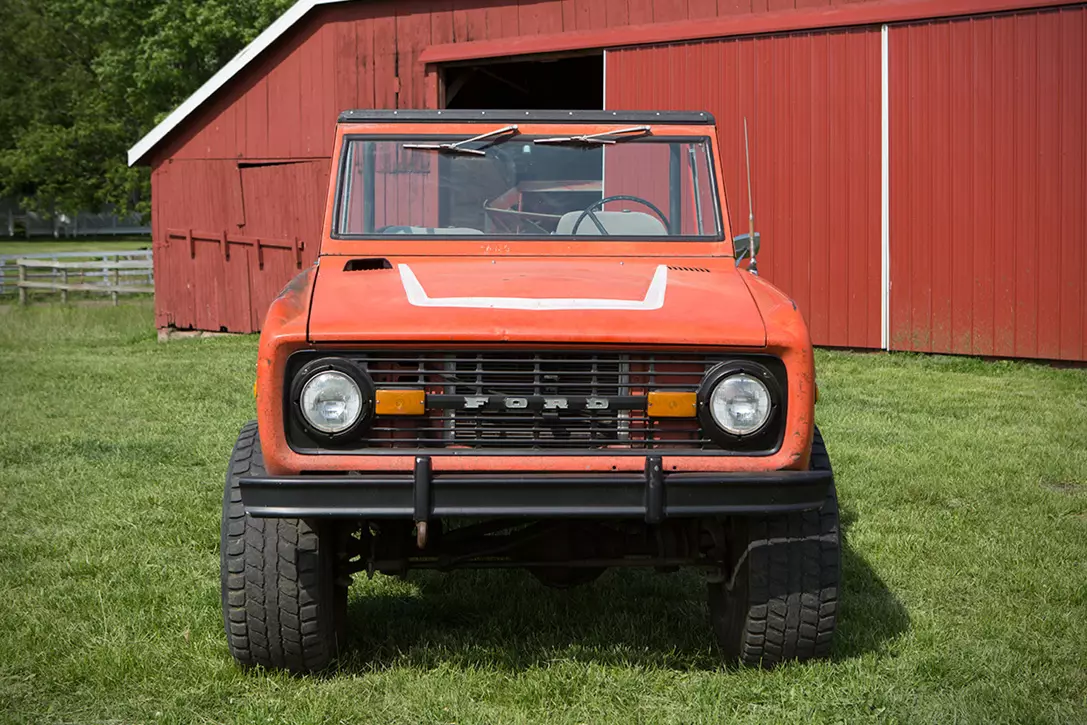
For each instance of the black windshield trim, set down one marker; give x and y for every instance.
(701, 118)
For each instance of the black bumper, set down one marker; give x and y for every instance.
(419, 496)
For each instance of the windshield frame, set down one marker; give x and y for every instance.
(664, 136)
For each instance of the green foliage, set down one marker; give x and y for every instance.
(963, 487)
(82, 80)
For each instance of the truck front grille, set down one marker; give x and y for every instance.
(573, 376)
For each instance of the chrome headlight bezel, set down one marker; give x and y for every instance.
(348, 369)
(717, 375)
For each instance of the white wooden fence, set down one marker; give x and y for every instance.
(112, 273)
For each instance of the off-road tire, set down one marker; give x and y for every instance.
(283, 606)
(779, 597)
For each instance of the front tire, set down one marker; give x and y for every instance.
(779, 597)
(283, 604)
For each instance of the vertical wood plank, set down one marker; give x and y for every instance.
(616, 13)
(960, 199)
(798, 150)
(867, 305)
(1048, 183)
(825, 171)
(460, 21)
(256, 120)
(441, 22)
(1026, 168)
(284, 107)
(855, 127)
(536, 17)
(640, 12)
(942, 244)
(982, 154)
(345, 64)
(669, 10)
(1072, 278)
(1004, 167)
(385, 71)
(901, 87)
(698, 9)
(733, 7)
(366, 63)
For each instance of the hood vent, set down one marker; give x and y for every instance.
(687, 269)
(367, 265)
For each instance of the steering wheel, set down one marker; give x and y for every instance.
(618, 197)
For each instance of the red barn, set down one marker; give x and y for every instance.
(919, 166)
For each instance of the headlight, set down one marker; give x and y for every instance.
(332, 397)
(740, 404)
(331, 402)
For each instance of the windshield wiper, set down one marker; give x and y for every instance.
(458, 147)
(604, 137)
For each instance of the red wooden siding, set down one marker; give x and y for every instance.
(812, 101)
(198, 286)
(989, 185)
(283, 107)
(365, 55)
(988, 174)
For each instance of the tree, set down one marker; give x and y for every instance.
(83, 80)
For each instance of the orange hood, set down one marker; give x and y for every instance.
(531, 300)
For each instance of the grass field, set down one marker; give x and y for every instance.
(964, 494)
(48, 246)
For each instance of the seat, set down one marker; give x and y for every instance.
(429, 230)
(617, 223)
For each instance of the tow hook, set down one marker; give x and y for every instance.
(421, 495)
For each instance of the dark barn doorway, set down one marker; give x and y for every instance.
(568, 83)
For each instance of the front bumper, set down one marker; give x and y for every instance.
(653, 494)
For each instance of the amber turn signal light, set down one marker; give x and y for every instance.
(672, 405)
(400, 402)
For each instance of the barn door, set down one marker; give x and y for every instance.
(283, 201)
(812, 103)
(200, 284)
(988, 229)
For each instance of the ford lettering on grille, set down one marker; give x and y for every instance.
(526, 400)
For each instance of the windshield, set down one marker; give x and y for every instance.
(625, 183)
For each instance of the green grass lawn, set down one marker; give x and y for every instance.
(49, 245)
(964, 494)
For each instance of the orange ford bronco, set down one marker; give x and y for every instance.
(529, 342)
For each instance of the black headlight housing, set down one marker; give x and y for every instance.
(768, 437)
(297, 425)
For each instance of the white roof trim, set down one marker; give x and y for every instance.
(282, 24)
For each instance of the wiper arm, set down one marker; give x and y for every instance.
(458, 147)
(604, 137)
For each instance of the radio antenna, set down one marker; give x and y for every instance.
(754, 266)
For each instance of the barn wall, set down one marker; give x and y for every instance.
(365, 55)
(197, 286)
(812, 102)
(283, 107)
(988, 173)
(989, 185)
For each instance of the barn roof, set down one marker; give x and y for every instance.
(247, 54)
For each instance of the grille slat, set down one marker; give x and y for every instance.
(605, 375)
